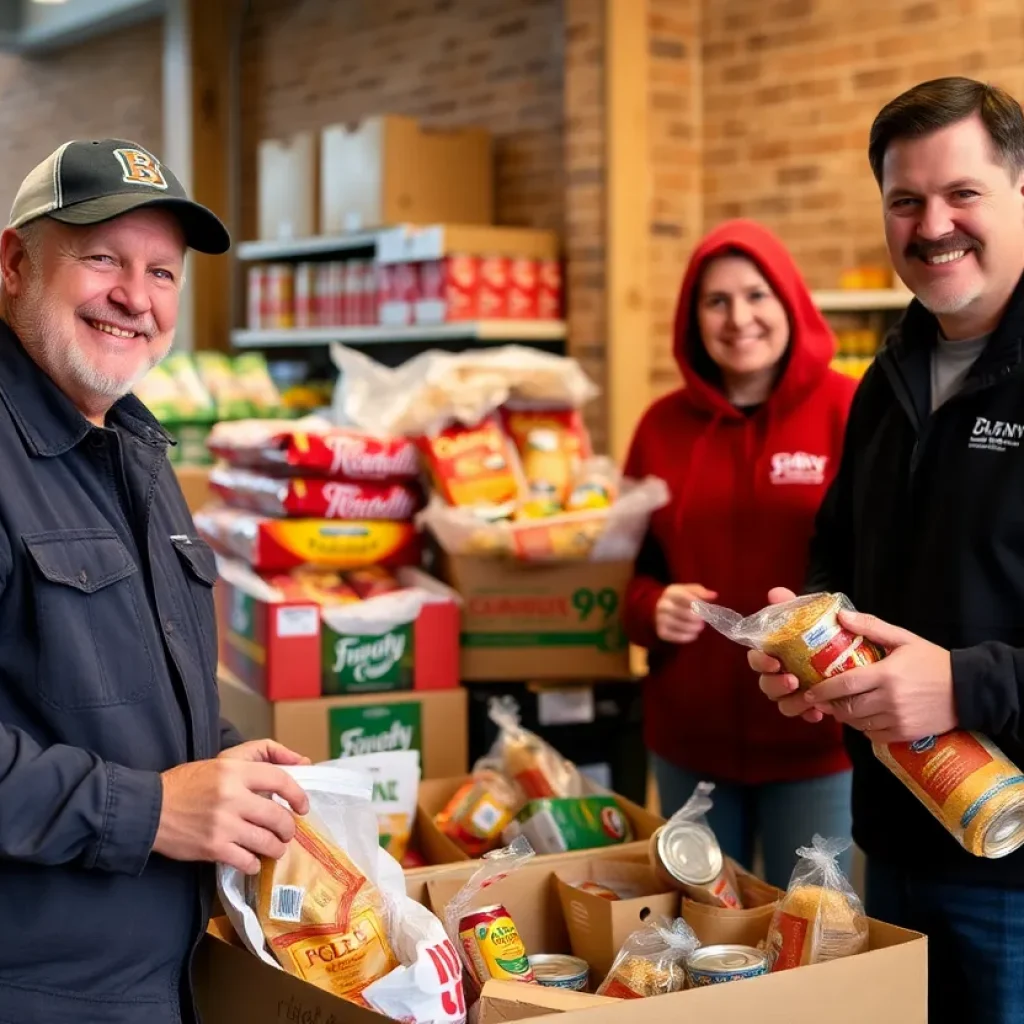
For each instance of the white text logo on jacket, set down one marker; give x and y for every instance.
(798, 468)
(995, 435)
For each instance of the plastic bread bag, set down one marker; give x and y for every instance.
(395, 776)
(964, 780)
(820, 918)
(652, 960)
(434, 389)
(334, 910)
(532, 764)
(494, 867)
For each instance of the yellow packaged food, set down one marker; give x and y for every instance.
(323, 919)
(563, 538)
(552, 444)
(478, 811)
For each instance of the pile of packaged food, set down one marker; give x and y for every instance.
(304, 492)
(523, 786)
(504, 446)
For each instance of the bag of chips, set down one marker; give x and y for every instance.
(821, 917)
(652, 960)
(334, 910)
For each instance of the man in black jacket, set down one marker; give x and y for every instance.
(924, 530)
(119, 785)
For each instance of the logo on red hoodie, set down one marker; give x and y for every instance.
(798, 468)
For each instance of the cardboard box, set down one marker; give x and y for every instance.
(502, 1001)
(286, 652)
(389, 170)
(437, 848)
(434, 722)
(541, 622)
(195, 485)
(287, 185)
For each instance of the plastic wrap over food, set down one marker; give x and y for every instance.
(610, 534)
(434, 389)
(652, 960)
(334, 910)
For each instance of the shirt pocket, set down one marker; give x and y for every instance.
(86, 591)
(200, 571)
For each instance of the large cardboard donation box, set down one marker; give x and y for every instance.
(546, 622)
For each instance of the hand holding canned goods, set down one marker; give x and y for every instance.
(674, 620)
(904, 697)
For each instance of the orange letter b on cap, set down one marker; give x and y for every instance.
(140, 168)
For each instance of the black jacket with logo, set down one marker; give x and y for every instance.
(924, 527)
(107, 678)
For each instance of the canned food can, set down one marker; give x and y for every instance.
(305, 290)
(811, 644)
(549, 289)
(688, 853)
(337, 293)
(280, 283)
(254, 298)
(321, 295)
(711, 965)
(559, 970)
(368, 311)
(493, 947)
(493, 288)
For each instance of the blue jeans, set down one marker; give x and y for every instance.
(779, 815)
(975, 942)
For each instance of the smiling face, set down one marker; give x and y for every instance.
(954, 224)
(743, 325)
(96, 306)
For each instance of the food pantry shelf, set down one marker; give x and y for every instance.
(841, 300)
(297, 248)
(478, 330)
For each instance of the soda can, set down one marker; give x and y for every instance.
(493, 947)
(368, 311)
(280, 284)
(254, 296)
(559, 970)
(711, 965)
(687, 855)
(305, 290)
(337, 293)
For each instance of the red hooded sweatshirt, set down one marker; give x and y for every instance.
(745, 489)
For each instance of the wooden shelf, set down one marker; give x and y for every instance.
(297, 248)
(477, 330)
(842, 300)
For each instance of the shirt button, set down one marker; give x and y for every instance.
(169, 628)
(83, 577)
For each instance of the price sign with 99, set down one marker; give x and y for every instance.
(587, 602)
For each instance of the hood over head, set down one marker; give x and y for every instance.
(811, 343)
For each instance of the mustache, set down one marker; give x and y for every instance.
(950, 243)
(144, 325)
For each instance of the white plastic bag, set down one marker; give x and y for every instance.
(427, 987)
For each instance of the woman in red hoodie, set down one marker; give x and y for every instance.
(748, 447)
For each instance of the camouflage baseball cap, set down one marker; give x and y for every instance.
(87, 182)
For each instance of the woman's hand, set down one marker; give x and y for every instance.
(674, 620)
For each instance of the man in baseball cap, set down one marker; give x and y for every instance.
(120, 786)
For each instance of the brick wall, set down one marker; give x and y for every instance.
(307, 63)
(85, 92)
(791, 87)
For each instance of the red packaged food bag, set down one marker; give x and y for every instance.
(309, 497)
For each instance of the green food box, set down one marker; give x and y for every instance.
(562, 824)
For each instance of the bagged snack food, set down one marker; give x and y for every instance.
(312, 498)
(536, 768)
(557, 825)
(596, 485)
(219, 377)
(963, 778)
(260, 393)
(396, 780)
(334, 911)
(474, 466)
(486, 936)
(313, 446)
(280, 544)
(652, 960)
(322, 586)
(478, 811)
(821, 917)
(373, 581)
(685, 854)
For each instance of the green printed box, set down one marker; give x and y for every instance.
(373, 728)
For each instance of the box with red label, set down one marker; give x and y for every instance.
(522, 301)
(449, 290)
(493, 294)
(549, 290)
(290, 649)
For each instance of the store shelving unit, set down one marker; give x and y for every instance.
(849, 300)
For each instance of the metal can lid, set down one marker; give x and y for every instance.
(1005, 832)
(477, 912)
(690, 852)
(727, 957)
(557, 965)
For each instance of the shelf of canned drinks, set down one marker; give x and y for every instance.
(477, 330)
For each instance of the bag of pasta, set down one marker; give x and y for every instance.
(652, 960)
(820, 918)
(334, 912)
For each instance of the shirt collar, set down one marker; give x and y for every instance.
(47, 420)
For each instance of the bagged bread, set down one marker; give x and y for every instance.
(652, 960)
(334, 910)
(820, 918)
